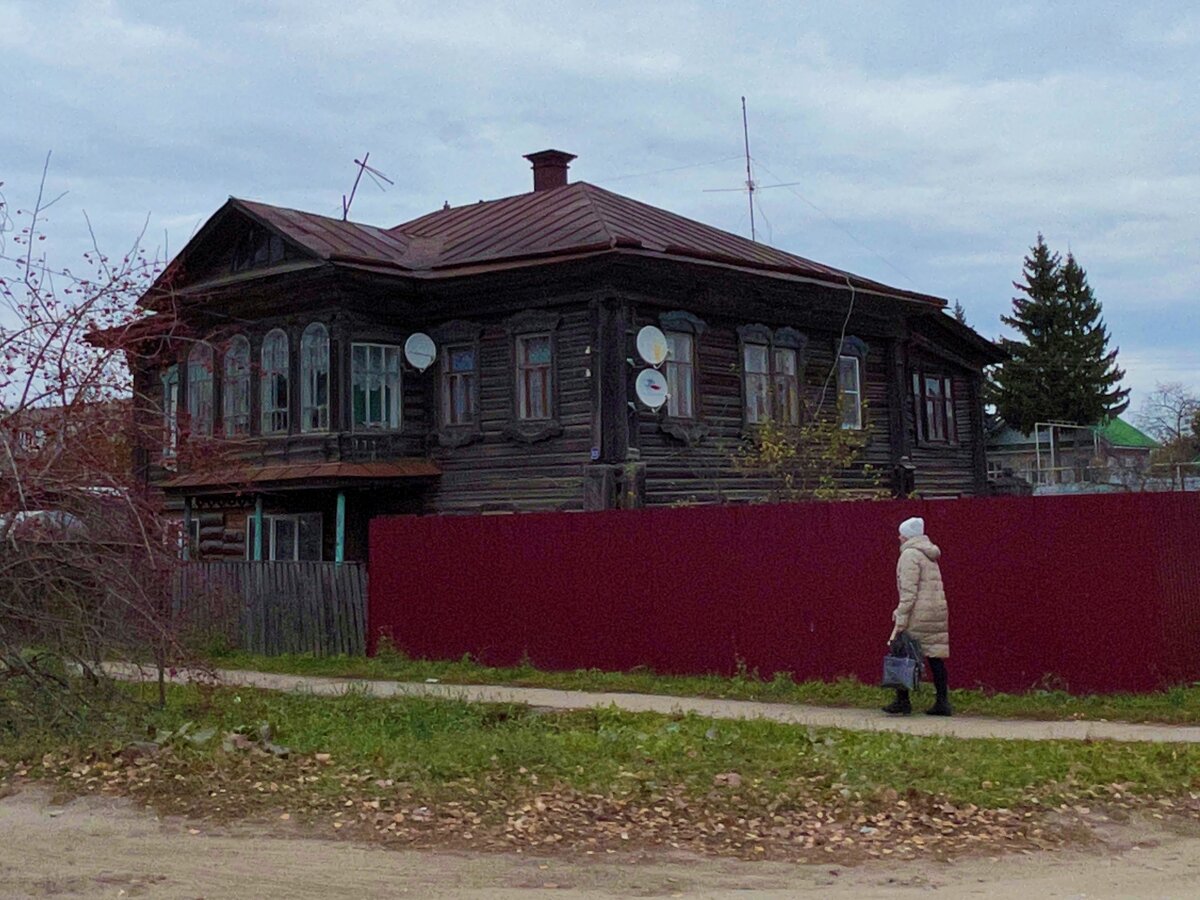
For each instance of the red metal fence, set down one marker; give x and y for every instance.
(1092, 593)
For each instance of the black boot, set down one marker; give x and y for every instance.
(941, 681)
(901, 706)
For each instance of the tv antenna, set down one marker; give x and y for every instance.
(751, 185)
(375, 175)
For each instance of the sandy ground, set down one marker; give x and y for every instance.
(96, 847)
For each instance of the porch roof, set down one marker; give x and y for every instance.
(294, 475)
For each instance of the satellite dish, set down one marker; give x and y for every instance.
(651, 388)
(420, 351)
(652, 346)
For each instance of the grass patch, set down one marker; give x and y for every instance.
(430, 770)
(1178, 705)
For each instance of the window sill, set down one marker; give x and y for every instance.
(689, 431)
(532, 431)
(458, 435)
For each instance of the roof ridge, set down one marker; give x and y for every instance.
(586, 189)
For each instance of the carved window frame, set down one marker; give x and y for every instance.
(692, 429)
(853, 348)
(447, 337)
(785, 338)
(526, 325)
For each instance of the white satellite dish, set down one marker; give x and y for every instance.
(651, 388)
(652, 346)
(420, 351)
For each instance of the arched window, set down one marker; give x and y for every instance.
(275, 387)
(236, 394)
(200, 390)
(314, 378)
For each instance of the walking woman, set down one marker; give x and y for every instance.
(922, 612)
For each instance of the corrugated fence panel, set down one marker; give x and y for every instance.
(275, 607)
(1091, 593)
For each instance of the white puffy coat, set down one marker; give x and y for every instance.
(922, 610)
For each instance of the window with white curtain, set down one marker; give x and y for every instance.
(375, 386)
(680, 370)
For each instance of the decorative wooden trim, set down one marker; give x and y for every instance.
(682, 320)
(754, 334)
(794, 340)
(457, 331)
(530, 431)
(853, 346)
(532, 320)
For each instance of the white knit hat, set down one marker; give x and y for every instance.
(911, 528)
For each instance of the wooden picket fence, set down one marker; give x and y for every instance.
(274, 607)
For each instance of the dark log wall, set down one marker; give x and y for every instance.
(682, 470)
(500, 472)
(944, 471)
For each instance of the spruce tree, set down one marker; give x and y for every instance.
(1093, 391)
(960, 314)
(1059, 368)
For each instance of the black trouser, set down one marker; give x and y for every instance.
(941, 681)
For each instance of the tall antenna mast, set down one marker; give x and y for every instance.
(749, 177)
(750, 185)
(375, 174)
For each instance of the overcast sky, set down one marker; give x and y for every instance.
(929, 147)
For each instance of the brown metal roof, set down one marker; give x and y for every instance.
(580, 217)
(296, 472)
(329, 238)
(570, 220)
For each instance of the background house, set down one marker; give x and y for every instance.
(287, 415)
(1063, 458)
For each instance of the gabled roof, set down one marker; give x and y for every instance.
(1116, 432)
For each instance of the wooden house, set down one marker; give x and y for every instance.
(282, 394)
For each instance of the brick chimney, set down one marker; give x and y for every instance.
(549, 168)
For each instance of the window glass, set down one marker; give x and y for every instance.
(236, 388)
(314, 378)
(376, 387)
(756, 365)
(787, 386)
(850, 392)
(534, 360)
(458, 385)
(200, 390)
(680, 373)
(276, 390)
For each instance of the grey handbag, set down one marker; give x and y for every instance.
(902, 666)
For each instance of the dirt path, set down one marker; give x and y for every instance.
(97, 847)
(790, 713)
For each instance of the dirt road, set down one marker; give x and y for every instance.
(97, 847)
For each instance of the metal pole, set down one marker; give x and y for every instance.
(339, 551)
(258, 529)
(187, 529)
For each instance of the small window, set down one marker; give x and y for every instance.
(756, 362)
(535, 359)
(200, 390)
(681, 378)
(787, 385)
(276, 390)
(170, 408)
(287, 538)
(850, 392)
(235, 390)
(314, 378)
(459, 374)
(375, 390)
(933, 401)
